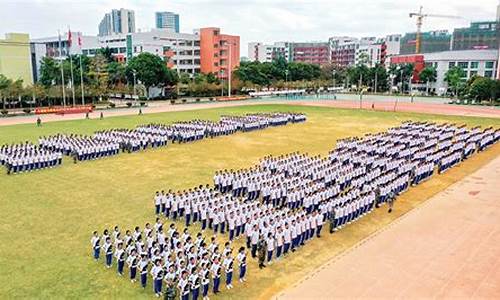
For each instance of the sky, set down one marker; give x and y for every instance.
(253, 20)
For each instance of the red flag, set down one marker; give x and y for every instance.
(69, 37)
(79, 40)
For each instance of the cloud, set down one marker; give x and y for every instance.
(253, 20)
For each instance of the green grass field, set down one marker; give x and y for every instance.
(48, 216)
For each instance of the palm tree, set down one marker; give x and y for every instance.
(428, 74)
(4, 85)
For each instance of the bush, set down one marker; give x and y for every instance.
(129, 104)
(4, 112)
(172, 101)
(142, 103)
(27, 110)
(112, 105)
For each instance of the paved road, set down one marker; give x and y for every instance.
(447, 248)
(389, 103)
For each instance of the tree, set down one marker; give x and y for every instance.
(151, 71)
(14, 91)
(4, 85)
(379, 78)
(107, 53)
(116, 73)
(455, 77)
(401, 74)
(50, 72)
(427, 75)
(482, 88)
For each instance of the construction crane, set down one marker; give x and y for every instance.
(420, 18)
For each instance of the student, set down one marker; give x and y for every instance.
(157, 273)
(242, 261)
(96, 248)
(228, 267)
(216, 273)
(262, 252)
(184, 286)
(319, 224)
(157, 201)
(143, 268)
(279, 242)
(205, 279)
(120, 258)
(254, 240)
(194, 281)
(108, 250)
(132, 262)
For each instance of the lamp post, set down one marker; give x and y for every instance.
(222, 83)
(134, 72)
(360, 91)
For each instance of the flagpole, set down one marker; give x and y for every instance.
(62, 71)
(70, 43)
(81, 68)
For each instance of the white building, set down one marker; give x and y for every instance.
(267, 53)
(117, 21)
(181, 51)
(473, 62)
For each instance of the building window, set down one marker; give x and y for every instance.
(463, 64)
(472, 73)
(489, 65)
(451, 64)
(488, 74)
(474, 64)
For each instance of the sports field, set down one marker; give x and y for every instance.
(48, 216)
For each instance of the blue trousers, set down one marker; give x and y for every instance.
(229, 278)
(243, 270)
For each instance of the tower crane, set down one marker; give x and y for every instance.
(420, 18)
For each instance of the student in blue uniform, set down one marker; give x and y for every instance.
(242, 261)
(157, 274)
(132, 262)
(96, 248)
(108, 250)
(143, 268)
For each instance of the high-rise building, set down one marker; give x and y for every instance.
(267, 53)
(313, 53)
(117, 21)
(167, 20)
(15, 58)
(219, 53)
(343, 50)
(431, 41)
(479, 35)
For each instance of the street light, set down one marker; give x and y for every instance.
(360, 91)
(286, 82)
(230, 69)
(222, 83)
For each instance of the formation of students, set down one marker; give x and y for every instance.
(80, 147)
(27, 157)
(177, 263)
(20, 158)
(283, 201)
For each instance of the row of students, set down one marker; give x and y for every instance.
(27, 157)
(176, 263)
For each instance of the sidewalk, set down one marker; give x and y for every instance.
(447, 248)
(379, 105)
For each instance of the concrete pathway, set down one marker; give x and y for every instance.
(448, 248)
(390, 104)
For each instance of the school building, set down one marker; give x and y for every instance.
(206, 50)
(15, 57)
